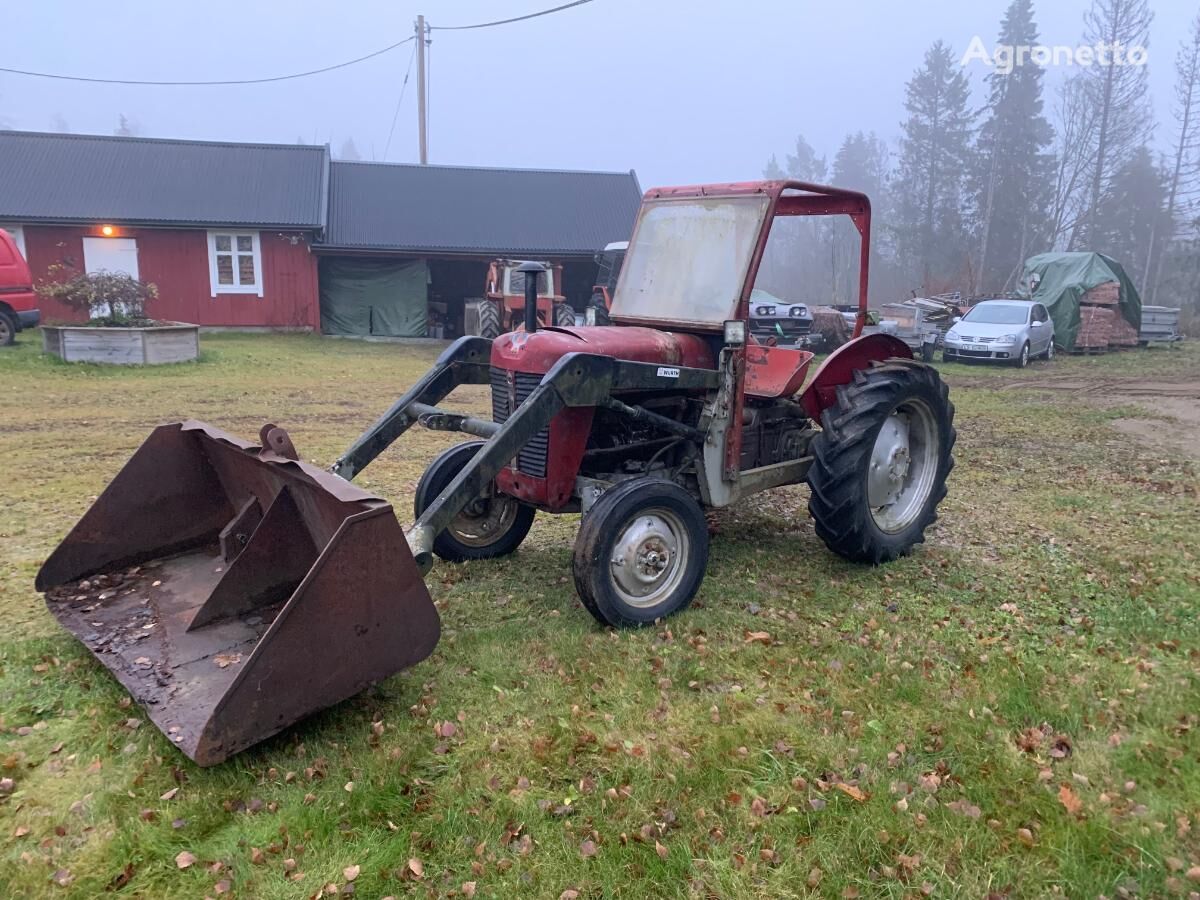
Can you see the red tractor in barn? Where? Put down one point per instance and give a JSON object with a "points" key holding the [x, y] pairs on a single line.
{"points": [[254, 555], [503, 306]]}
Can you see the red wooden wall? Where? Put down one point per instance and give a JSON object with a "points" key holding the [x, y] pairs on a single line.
{"points": [[176, 260]]}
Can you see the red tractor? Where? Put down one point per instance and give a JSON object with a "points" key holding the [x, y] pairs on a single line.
{"points": [[503, 308], [640, 426]]}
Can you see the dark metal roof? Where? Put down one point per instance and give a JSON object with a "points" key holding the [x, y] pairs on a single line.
{"points": [[90, 178], [462, 209]]}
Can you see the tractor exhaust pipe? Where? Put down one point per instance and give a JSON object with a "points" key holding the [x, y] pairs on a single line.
{"points": [[531, 270]]}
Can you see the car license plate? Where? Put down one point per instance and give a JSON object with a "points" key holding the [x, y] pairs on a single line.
{"points": [[981, 347]]}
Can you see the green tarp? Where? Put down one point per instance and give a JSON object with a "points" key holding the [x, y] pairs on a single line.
{"points": [[374, 296], [1059, 280]]}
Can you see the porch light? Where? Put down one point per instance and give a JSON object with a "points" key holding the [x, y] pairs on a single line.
{"points": [[106, 230]]}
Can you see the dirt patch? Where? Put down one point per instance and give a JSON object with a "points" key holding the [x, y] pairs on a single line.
{"points": [[1175, 400]]}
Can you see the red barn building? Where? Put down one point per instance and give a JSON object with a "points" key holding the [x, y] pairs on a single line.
{"points": [[277, 236]]}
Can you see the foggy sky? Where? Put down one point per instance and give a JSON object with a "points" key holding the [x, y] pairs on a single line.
{"points": [[680, 92]]}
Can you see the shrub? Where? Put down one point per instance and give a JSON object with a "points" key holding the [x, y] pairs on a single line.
{"points": [[108, 298]]}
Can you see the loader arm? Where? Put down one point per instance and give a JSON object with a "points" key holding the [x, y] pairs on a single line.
{"points": [[463, 362], [578, 379]]}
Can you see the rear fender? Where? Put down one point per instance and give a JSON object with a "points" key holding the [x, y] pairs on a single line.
{"points": [[840, 365]]}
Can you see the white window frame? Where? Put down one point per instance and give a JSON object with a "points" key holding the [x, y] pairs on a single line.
{"points": [[256, 250], [18, 235]]}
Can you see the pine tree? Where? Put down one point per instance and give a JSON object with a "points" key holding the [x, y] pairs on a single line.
{"points": [[860, 164], [349, 150], [796, 263], [126, 127], [1012, 182], [1131, 212], [935, 151]]}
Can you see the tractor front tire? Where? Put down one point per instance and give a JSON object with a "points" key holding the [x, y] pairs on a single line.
{"points": [[488, 527], [641, 552], [564, 315], [490, 320], [881, 461]]}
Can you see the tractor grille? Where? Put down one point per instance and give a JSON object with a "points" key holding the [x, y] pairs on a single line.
{"points": [[532, 458]]}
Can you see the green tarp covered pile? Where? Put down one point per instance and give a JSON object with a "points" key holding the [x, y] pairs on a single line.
{"points": [[374, 296], [1059, 280]]}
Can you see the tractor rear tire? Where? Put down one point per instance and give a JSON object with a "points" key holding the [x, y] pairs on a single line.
{"points": [[491, 321], [564, 315], [489, 527], [641, 552], [602, 316], [881, 461]]}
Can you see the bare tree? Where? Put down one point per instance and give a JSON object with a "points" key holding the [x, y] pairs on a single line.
{"points": [[1075, 155], [1117, 88], [127, 127], [1185, 172]]}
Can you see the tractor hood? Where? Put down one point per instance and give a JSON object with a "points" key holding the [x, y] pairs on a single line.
{"points": [[538, 352]]}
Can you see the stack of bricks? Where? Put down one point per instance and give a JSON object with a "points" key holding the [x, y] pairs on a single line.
{"points": [[1107, 294], [1095, 328], [1123, 334]]}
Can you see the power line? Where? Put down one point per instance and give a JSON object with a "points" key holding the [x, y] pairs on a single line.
{"points": [[544, 12], [341, 65], [399, 100]]}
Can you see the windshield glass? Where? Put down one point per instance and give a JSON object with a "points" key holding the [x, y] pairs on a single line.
{"points": [[688, 259], [997, 314]]}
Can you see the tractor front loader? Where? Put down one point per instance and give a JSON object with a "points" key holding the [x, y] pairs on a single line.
{"points": [[233, 589]]}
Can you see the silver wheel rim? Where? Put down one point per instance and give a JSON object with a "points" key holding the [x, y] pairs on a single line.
{"points": [[1024, 356], [649, 557], [903, 466], [5, 330], [1050, 351], [484, 521]]}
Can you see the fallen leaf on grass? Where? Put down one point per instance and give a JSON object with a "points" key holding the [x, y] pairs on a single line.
{"points": [[185, 859], [851, 791], [224, 886], [662, 851], [814, 877], [468, 889], [588, 849], [1070, 800], [169, 795], [415, 869], [1025, 836], [62, 877], [351, 872], [122, 878], [20, 831]]}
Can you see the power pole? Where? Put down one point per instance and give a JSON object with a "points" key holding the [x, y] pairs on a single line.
{"points": [[421, 90]]}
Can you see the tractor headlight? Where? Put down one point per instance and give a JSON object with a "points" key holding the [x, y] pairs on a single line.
{"points": [[735, 333], [590, 316]]}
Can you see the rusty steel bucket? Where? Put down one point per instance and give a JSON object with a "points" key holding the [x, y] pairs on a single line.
{"points": [[234, 590]]}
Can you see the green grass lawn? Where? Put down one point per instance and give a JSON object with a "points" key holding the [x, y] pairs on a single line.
{"points": [[1014, 710]]}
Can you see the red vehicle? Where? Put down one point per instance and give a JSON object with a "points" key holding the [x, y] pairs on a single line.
{"points": [[18, 302], [258, 557], [504, 308]]}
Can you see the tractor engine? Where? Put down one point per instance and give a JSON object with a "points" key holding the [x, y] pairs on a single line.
{"points": [[543, 473], [774, 433]]}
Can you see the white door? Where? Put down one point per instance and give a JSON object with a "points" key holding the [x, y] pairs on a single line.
{"points": [[110, 255]]}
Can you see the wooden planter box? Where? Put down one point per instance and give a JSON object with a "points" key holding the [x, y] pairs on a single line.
{"points": [[151, 346]]}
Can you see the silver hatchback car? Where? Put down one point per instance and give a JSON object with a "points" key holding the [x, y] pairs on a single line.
{"points": [[1012, 331]]}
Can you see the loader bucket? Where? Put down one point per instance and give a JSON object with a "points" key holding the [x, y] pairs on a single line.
{"points": [[233, 590]]}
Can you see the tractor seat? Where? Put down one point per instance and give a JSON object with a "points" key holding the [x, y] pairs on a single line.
{"points": [[774, 372]]}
